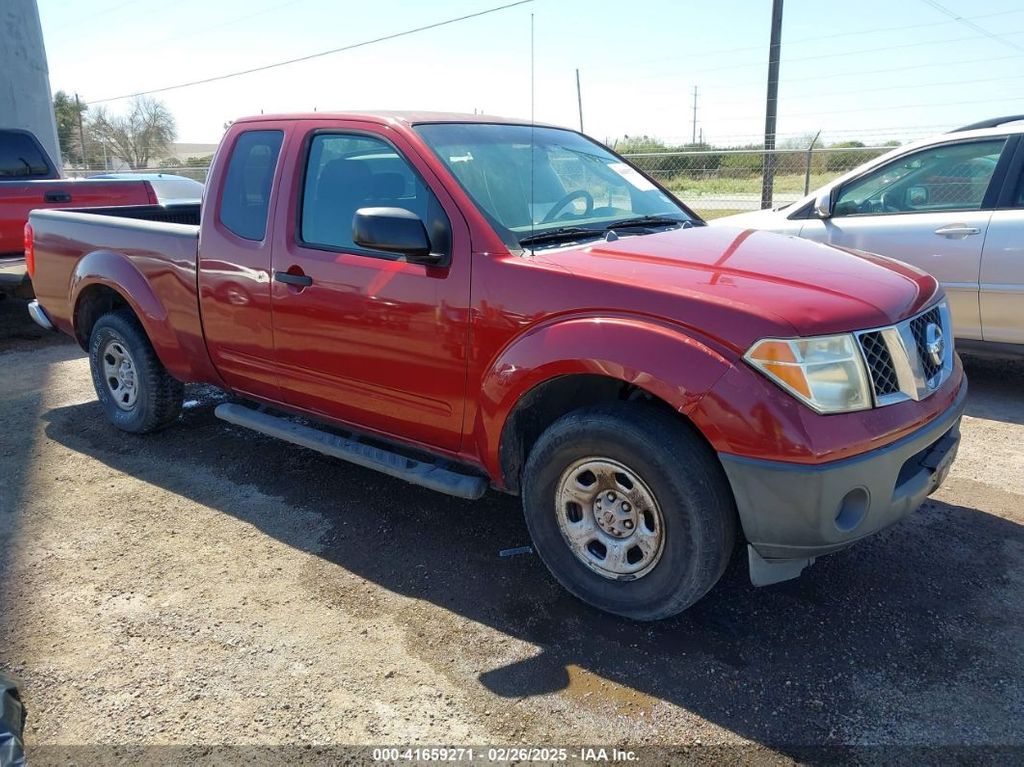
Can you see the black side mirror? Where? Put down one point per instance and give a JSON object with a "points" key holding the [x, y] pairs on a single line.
{"points": [[395, 230]]}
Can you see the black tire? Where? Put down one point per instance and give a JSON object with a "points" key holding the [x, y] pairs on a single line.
{"points": [[158, 398], [698, 512]]}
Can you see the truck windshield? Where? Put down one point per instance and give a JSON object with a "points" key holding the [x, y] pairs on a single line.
{"points": [[21, 157], [535, 184]]}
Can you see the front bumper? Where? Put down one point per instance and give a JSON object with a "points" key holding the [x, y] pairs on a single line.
{"points": [[792, 513]]}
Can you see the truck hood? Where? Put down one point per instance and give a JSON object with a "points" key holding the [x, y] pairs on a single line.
{"points": [[738, 285]]}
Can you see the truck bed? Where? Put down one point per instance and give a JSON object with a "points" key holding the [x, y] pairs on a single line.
{"points": [[187, 214], [152, 249]]}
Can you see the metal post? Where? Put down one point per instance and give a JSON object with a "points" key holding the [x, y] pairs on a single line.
{"points": [[81, 130], [693, 139], [807, 170], [771, 105], [579, 99]]}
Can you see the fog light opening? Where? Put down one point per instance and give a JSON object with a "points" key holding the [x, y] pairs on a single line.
{"points": [[852, 509]]}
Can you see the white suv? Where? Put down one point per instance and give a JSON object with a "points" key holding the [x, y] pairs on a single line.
{"points": [[952, 205]]}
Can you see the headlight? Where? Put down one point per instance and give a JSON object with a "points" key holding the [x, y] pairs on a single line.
{"points": [[826, 373]]}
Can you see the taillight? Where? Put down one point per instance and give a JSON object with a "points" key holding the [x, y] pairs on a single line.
{"points": [[151, 193], [30, 252]]}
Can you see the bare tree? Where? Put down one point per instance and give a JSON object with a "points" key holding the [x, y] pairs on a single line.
{"points": [[143, 133]]}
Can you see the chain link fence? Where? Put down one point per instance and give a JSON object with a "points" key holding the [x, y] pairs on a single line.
{"points": [[714, 182], [719, 182]]}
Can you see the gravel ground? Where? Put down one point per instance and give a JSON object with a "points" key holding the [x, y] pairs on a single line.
{"points": [[207, 585]]}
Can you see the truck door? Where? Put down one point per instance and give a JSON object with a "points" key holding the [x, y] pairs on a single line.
{"points": [[234, 260], [364, 336]]}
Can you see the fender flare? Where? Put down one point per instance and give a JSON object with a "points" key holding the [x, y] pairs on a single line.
{"points": [[115, 271], [661, 359]]}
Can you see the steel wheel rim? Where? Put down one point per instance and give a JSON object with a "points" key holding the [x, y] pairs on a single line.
{"points": [[119, 374], [609, 518]]}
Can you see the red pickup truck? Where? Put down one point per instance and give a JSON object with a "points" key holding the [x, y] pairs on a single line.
{"points": [[465, 302], [29, 180]]}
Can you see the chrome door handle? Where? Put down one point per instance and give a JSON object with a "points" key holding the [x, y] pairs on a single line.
{"points": [[957, 230]]}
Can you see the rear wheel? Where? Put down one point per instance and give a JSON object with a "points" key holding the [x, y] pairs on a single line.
{"points": [[629, 509], [135, 391]]}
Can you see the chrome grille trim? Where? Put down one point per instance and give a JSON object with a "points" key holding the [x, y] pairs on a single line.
{"points": [[916, 375]]}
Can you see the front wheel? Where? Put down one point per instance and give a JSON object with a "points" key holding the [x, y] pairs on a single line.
{"points": [[629, 509], [135, 391]]}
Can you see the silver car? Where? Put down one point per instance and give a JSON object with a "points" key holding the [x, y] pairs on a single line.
{"points": [[952, 205]]}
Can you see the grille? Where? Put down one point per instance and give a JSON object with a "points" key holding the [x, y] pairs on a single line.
{"points": [[917, 329], [880, 364], [897, 358]]}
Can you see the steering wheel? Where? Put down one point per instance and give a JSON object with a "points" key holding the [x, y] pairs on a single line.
{"points": [[890, 202], [578, 194], [882, 204]]}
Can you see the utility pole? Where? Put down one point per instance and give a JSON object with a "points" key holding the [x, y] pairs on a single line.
{"points": [[81, 130], [694, 139], [579, 98], [771, 106]]}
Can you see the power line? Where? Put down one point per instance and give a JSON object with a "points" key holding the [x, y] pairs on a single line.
{"points": [[210, 27], [887, 107], [311, 56], [884, 48], [856, 73], [891, 70], [819, 38], [971, 25], [860, 75], [845, 93], [94, 14]]}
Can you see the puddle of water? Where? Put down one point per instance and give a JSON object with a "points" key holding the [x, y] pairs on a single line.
{"points": [[590, 688]]}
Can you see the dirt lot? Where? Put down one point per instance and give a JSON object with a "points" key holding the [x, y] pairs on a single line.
{"points": [[208, 585]]}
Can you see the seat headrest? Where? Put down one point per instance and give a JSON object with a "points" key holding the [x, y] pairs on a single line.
{"points": [[341, 177], [388, 186]]}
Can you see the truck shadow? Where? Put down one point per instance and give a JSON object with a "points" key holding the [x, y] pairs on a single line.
{"points": [[862, 641]]}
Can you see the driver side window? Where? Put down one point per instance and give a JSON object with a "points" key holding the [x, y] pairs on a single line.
{"points": [[942, 178], [346, 172]]}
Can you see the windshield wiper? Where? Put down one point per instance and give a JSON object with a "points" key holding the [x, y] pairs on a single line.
{"points": [[570, 233], [560, 234], [646, 221]]}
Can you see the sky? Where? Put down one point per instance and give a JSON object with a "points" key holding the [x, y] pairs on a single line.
{"points": [[871, 70]]}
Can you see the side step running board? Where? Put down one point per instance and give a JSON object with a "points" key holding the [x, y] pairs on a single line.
{"points": [[417, 472]]}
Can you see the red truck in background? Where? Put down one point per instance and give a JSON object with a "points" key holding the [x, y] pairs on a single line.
{"points": [[30, 180], [465, 302]]}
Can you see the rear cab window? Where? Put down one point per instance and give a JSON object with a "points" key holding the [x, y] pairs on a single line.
{"points": [[245, 198], [21, 157]]}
